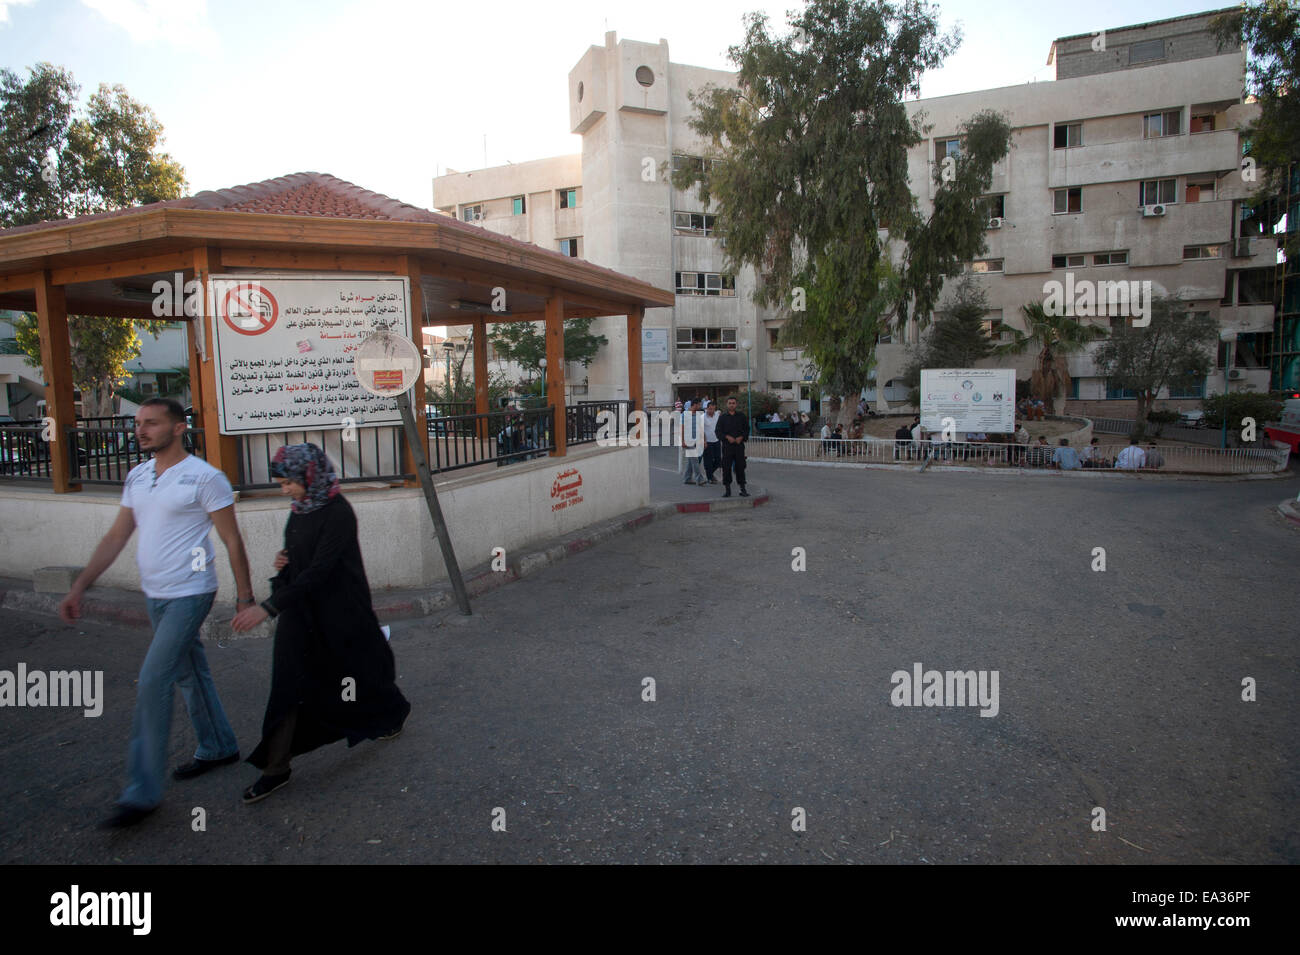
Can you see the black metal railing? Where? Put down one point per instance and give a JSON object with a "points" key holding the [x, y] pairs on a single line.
{"points": [[359, 454], [24, 454], [584, 420], [106, 456], [502, 437]]}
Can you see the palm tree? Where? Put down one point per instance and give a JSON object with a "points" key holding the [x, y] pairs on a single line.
{"points": [[1055, 336]]}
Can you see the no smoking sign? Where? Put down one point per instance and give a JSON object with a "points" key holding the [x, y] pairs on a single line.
{"points": [[248, 308]]}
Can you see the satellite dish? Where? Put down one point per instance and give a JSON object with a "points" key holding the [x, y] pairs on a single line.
{"points": [[387, 365]]}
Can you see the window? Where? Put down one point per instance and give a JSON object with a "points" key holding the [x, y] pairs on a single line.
{"points": [[772, 335], [943, 148], [1069, 261], [1202, 251], [1066, 135], [1146, 51], [993, 207], [696, 164], [568, 198], [694, 223], [781, 385], [1156, 125], [146, 387], [1115, 394], [1256, 286], [705, 283], [1157, 192], [1195, 390], [1065, 201], [517, 206], [986, 265], [710, 338], [1074, 387], [472, 213], [1200, 190], [1110, 258], [996, 330], [570, 246]]}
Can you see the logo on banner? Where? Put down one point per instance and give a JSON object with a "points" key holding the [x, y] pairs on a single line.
{"points": [[249, 309], [387, 378]]}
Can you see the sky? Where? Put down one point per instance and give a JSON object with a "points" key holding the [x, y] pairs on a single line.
{"points": [[387, 94]]}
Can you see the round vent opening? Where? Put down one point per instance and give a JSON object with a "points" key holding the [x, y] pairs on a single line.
{"points": [[579, 92], [645, 76]]}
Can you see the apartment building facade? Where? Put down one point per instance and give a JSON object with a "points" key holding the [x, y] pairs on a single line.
{"points": [[1127, 167]]}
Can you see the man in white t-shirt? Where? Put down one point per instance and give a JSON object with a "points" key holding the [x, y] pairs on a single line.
{"points": [[712, 443], [1132, 457], [175, 499]]}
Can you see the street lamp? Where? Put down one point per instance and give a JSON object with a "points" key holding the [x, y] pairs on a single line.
{"points": [[446, 350], [542, 364], [746, 344]]}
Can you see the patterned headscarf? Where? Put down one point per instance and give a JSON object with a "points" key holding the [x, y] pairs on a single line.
{"points": [[307, 465]]}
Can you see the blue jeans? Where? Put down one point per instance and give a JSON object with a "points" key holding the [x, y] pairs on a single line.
{"points": [[175, 657]]}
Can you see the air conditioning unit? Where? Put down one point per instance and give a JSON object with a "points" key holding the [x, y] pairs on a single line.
{"points": [[1241, 249], [1235, 374], [995, 222], [1156, 210]]}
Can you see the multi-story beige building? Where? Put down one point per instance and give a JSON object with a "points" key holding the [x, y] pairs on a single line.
{"points": [[1127, 167]]}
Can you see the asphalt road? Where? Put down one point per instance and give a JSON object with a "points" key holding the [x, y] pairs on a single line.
{"points": [[1119, 689]]}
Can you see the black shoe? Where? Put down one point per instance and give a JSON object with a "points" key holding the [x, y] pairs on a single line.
{"points": [[197, 767], [744, 493], [125, 816], [727, 492], [264, 786]]}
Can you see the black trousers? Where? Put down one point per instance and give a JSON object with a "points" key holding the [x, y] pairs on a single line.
{"points": [[733, 457], [712, 458]]}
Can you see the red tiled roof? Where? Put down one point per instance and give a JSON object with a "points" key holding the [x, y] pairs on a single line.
{"points": [[300, 194], [314, 194]]}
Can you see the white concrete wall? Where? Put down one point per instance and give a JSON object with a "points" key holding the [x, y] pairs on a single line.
{"points": [[511, 508]]}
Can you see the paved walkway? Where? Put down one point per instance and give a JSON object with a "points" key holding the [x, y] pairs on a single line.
{"points": [[1119, 689]]}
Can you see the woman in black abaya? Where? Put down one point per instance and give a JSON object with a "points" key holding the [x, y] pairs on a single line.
{"points": [[332, 675]]}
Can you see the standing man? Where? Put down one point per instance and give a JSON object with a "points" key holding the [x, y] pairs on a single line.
{"points": [[733, 429], [712, 445], [693, 445], [175, 499]]}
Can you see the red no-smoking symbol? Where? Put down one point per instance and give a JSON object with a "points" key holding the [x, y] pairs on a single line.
{"points": [[249, 308]]}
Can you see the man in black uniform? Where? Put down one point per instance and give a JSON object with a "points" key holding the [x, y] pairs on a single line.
{"points": [[733, 431]]}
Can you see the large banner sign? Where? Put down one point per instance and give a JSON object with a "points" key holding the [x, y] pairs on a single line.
{"points": [[285, 344], [976, 399]]}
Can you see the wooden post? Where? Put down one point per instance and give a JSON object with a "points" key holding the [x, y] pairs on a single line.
{"points": [[635, 386], [221, 450], [192, 336], [555, 371], [56, 362], [410, 267], [480, 346]]}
